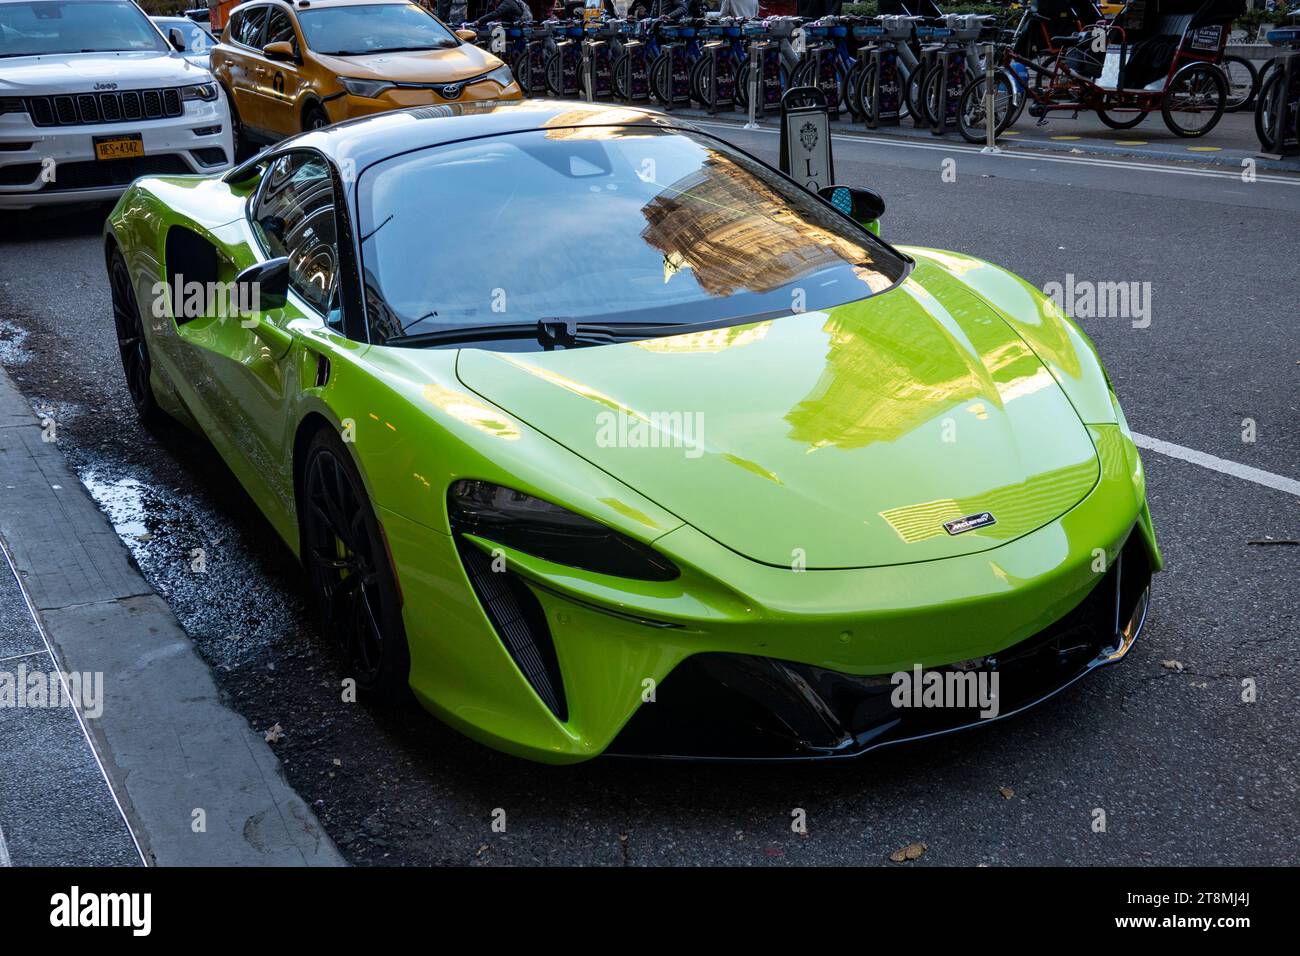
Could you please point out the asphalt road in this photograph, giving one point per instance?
(1185, 770)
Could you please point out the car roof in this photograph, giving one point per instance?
(371, 139)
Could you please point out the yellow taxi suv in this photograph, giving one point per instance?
(291, 67)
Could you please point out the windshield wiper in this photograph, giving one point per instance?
(549, 333)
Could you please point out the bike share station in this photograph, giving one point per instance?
(915, 66)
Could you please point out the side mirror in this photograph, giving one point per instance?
(863, 206)
(469, 36)
(177, 39)
(279, 50)
(264, 286)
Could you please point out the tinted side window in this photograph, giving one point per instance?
(250, 26)
(294, 217)
(279, 28)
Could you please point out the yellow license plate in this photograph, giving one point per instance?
(119, 147)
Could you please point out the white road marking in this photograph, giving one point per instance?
(1235, 469)
(4, 851)
(1234, 174)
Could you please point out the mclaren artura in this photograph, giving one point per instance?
(600, 435)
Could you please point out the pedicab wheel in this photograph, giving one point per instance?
(1264, 109)
(1195, 100)
(1243, 82)
(1120, 120)
(972, 116)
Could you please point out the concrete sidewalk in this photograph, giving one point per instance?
(196, 785)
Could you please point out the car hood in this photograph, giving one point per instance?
(83, 72)
(429, 66)
(835, 439)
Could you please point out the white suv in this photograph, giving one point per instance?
(92, 96)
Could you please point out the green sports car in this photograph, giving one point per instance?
(602, 436)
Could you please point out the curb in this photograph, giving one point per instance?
(168, 744)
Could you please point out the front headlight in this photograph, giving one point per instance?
(546, 530)
(369, 89)
(501, 75)
(207, 92)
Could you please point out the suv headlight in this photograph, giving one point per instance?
(501, 75)
(207, 92)
(365, 88)
(552, 533)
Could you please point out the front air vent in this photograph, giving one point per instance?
(520, 622)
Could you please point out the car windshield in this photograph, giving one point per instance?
(197, 39)
(607, 224)
(82, 26)
(372, 28)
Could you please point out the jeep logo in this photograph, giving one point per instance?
(105, 86)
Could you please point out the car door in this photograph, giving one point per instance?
(248, 362)
(242, 57)
(280, 82)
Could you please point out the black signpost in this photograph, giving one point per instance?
(806, 137)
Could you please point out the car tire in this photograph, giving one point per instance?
(132, 346)
(314, 117)
(354, 592)
(243, 147)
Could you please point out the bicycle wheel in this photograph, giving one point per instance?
(742, 85)
(616, 77)
(554, 69)
(912, 96)
(1264, 110)
(930, 96)
(1195, 99)
(972, 115)
(1243, 82)
(661, 80)
(1120, 120)
(853, 89)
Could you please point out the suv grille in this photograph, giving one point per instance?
(88, 108)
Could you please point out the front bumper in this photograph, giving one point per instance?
(733, 706)
(620, 646)
(47, 165)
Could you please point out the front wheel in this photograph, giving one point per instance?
(1243, 82)
(1117, 120)
(972, 111)
(1194, 100)
(616, 83)
(661, 79)
(314, 117)
(554, 70)
(351, 578)
(132, 346)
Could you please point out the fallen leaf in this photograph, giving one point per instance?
(1007, 792)
(338, 762)
(912, 851)
(1172, 665)
(275, 734)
